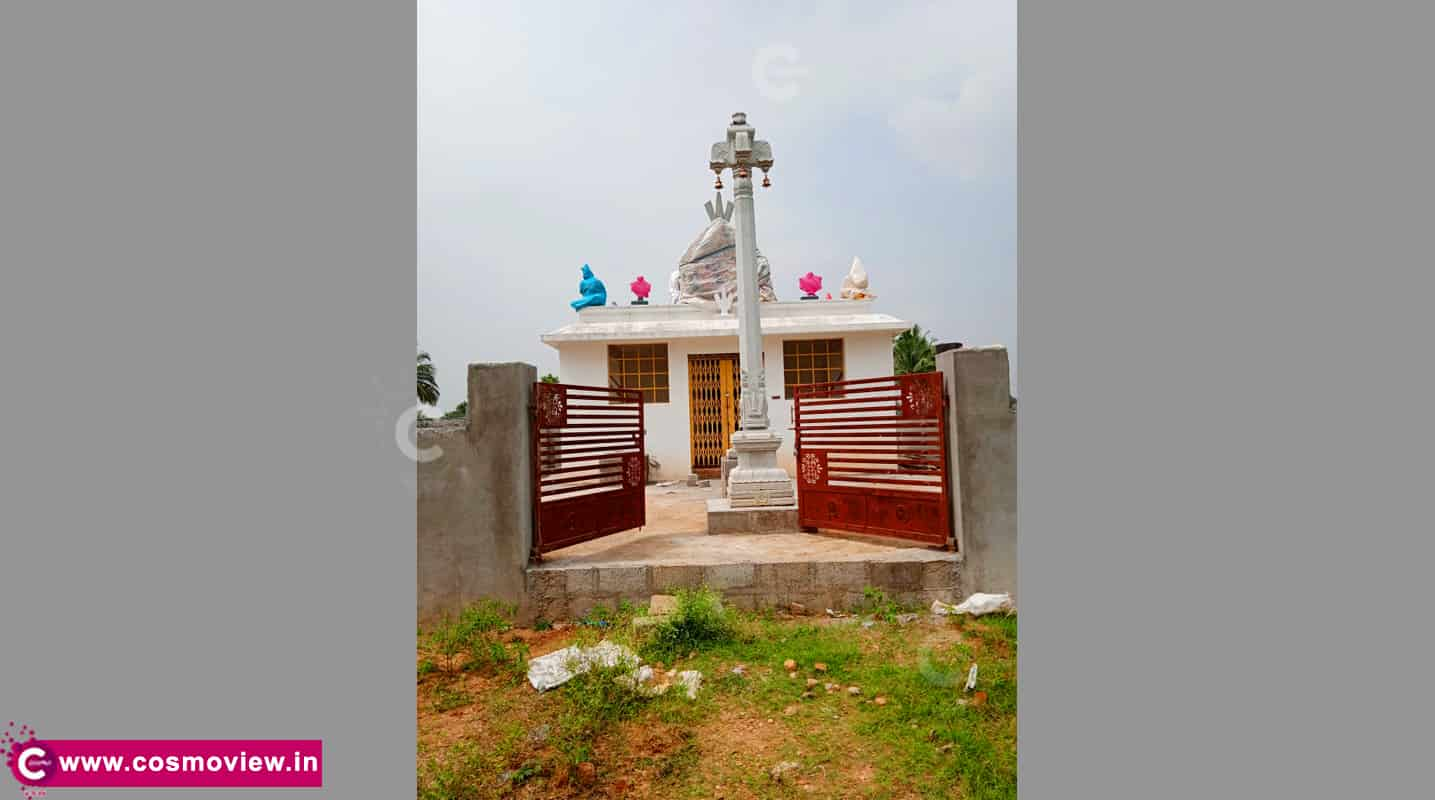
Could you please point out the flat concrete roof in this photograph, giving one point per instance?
(782, 318)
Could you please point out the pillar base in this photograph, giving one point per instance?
(757, 480)
(723, 518)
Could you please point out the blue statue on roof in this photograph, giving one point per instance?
(592, 289)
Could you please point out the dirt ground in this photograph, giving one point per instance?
(923, 741)
(680, 509)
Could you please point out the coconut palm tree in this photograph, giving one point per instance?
(428, 384)
(914, 350)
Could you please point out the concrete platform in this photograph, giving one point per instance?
(723, 518)
(816, 570)
(819, 570)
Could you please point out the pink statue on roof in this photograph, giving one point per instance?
(811, 284)
(641, 288)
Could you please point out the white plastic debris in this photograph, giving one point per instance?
(972, 678)
(559, 666)
(691, 680)
(641, 681)
(976, 605)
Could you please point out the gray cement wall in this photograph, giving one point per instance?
(570, 592)
(982, 454)
(475, 520)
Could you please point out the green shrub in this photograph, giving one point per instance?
(599, 616)
(592, 701)
(447, 697)
(698, 622)
(876, 602)
(476, 632)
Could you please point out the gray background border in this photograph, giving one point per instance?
(1222, 214)
(208, 317)
(1222, 206)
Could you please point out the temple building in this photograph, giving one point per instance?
(684, 359)
(683, 356)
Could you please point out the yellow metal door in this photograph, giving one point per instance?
(713, 390)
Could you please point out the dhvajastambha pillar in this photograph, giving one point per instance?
(757, 480)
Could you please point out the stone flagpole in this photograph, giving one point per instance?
(756, 480)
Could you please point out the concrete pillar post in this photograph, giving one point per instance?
(981, 454)
(475, 512)
(500, 398)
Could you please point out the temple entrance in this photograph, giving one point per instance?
(713, 388)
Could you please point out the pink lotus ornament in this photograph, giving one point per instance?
(641, 288)
(811, 284)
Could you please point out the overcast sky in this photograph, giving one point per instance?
(553, 135)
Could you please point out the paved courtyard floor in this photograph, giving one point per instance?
(676, 533)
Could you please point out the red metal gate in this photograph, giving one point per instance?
(589, 468)
(871, 457)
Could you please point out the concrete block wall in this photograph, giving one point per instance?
(982, 456)
(475, 519)
(558, 593)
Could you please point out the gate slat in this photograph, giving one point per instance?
(550, 436)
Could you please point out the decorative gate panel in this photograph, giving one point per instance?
(589, 468)
(871, 457)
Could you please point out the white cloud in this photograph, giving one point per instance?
(971, 135)
(942, 75)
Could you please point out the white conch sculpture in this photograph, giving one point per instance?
(854, 286)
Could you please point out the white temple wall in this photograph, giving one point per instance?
(866, 355)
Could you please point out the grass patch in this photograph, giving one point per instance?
(879, 605)
(469, 771)
(928, 738)
(592, 702)
(699, 622)
(447, 697)
(472, 641)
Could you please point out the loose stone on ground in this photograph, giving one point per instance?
(781, 769)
